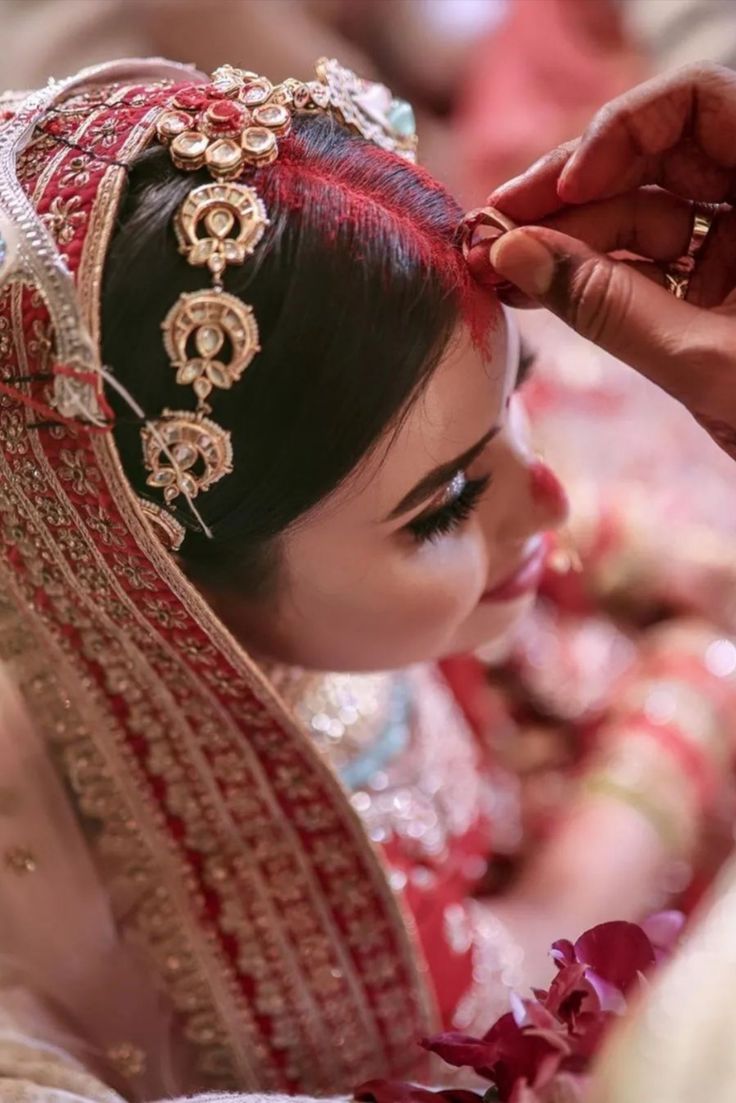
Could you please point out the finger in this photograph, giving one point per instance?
(714, 291)
(618, 308)
(649, 270)
(484, 274)
(648, 221)
(626, 142)
(714, 277)
(533, 195)
(480, 266)
(512, 296)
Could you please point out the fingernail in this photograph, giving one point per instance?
(502, 189)
(567, 174)
(524, 261)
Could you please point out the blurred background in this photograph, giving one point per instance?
(494, 82)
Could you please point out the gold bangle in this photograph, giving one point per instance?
(668, 827)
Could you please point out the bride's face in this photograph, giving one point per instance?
(434, 546)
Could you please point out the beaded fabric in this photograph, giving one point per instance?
(258, 901)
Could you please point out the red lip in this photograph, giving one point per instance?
(524, 579)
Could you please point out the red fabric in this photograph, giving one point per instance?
(535, 81)
(82, 562)
(468, 680)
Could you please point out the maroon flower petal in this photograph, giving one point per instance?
(391, 1091)
(522, 1093)
(522, 1054)
(531, 1013)
(399, 1091)
(549, 1040)
(617, 951)
(663, 930)
(462, 1049)
(571, 993)
(585, 1041)
(562, 952)
(535, 1020)
(565, 1088)
(610, 998)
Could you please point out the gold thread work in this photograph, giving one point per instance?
(210, 336)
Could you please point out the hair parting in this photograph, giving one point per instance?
(358, 286)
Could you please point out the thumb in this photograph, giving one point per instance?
(606, 301)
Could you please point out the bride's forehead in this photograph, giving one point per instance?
(470, 372)
(464, 397)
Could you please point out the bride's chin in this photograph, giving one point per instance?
(492, 627)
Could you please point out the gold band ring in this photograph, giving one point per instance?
(678, 275)
(486, 219)
(485, 224)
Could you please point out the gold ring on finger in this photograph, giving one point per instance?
(678, 275)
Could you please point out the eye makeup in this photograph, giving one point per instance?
(462, 494)
(458, 503)
(527, 360)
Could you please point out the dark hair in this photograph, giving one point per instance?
(356, 287)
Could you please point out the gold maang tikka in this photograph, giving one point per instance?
(210, 336)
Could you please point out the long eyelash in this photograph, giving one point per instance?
(527, 360)
(451, 515)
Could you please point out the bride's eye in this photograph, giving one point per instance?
(527, 360)
(457, 504)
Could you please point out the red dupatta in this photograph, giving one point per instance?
(261, 905)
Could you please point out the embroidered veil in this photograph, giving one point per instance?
(243, 875)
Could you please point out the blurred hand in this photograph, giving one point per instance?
(632, 183)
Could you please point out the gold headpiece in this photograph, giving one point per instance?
(210, 336)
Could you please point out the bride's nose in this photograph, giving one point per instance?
(531, 500)
(548, 495)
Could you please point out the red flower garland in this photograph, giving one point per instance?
(541, 1050)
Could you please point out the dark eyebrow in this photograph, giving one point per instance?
(440, 476)
(437, 478)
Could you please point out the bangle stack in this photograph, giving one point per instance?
(671, 827)
(682, 702)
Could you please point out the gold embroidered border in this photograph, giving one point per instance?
(203, 615)
(194, 760)
(190, 963)
(196, 769)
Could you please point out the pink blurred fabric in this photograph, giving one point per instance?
(535, 81)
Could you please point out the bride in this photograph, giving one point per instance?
(257, 423)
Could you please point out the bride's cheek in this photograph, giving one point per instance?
(454, 570)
